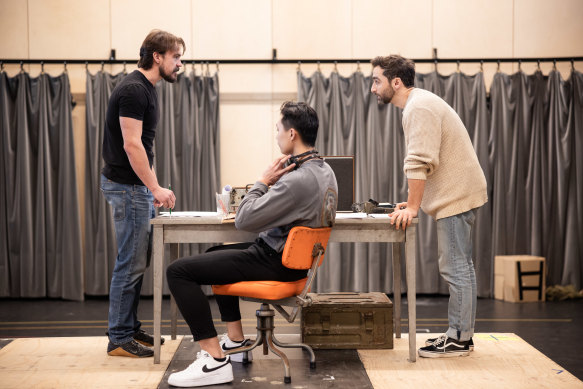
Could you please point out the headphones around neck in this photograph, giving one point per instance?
(298, 160)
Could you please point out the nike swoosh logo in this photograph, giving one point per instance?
(232, 348)
(205, 369)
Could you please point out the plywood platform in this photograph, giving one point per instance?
(500, 360)
(77, 363)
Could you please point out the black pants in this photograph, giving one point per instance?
(218, 266)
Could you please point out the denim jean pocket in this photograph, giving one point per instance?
(470, 217)
(116, 199)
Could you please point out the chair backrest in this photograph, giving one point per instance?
(299, 252)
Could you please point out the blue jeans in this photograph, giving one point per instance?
(132, 210)
(454, 243)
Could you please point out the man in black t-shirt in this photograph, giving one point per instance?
(130, 186)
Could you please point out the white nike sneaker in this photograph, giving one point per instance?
(205, 370)
(227, 344)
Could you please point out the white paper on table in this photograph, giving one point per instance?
(188, 214)
(350, 215)
(379, 215)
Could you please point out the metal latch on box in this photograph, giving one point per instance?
(368, 321)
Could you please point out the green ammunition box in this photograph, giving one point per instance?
(348, 321)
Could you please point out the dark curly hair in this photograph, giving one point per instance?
(396, 66)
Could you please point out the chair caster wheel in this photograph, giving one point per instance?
(287, 380)
(312, 365)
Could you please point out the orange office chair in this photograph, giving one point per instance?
(304, 249)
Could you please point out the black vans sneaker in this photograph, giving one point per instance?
(130, 349)
(430, 341)
(146, 339)
(445, 347)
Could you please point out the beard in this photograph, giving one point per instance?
(170, 77)
(387, 97)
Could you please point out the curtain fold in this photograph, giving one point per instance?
(186, 153)
(41, 232)
(525, 138)
(100, 243)
(537, 126)
(573, 268)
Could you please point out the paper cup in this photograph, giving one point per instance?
(223, 204)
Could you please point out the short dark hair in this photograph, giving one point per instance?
(158, 41)
(303, 119)
(397, 66)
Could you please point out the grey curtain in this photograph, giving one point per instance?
(186, 157)
(537, 170)
(100, 244)
(526, 144)
(571, 269)
(40, 228)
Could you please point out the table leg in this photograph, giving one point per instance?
(158, 264)
(174, 254)
(411, 290)
(397, 287)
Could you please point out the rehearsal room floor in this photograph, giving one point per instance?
(552, 328)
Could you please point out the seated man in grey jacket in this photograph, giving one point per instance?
(298, 189)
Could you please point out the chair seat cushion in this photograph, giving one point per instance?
(267, 290)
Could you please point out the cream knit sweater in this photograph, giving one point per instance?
(439, 151)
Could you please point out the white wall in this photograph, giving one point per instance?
(318, 29)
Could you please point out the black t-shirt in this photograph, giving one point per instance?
(134, 97)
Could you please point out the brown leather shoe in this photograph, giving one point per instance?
(130, 349)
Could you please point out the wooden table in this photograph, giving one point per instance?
(210, 229)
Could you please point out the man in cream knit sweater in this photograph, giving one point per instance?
(446, 181)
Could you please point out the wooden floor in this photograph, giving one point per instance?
(500, 360)
(77, 363)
